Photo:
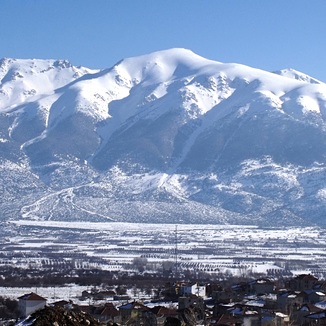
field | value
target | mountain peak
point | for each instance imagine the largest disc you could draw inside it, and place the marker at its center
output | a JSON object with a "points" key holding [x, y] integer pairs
{"points": [[162, 65], [24, 80], [173, 55], [297, 75]]}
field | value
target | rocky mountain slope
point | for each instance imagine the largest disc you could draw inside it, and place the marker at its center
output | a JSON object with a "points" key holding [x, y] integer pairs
{"points": [[165, 137]]}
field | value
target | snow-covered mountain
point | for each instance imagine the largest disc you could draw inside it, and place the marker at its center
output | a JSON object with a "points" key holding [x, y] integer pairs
{"points": [[165, 137]]}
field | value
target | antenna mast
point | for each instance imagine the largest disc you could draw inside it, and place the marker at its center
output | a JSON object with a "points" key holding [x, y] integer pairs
{"points": [[176, 251]]}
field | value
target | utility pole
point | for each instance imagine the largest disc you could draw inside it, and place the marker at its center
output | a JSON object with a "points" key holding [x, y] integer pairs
{"points": [[176, 252]]}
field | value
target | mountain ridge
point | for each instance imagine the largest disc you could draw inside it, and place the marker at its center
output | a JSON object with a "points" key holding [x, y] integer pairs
{"points": [[164, 137]]}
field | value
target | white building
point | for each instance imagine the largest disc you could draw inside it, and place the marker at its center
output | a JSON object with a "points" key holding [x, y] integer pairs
{"points": [[29, 303], [193, 288]]}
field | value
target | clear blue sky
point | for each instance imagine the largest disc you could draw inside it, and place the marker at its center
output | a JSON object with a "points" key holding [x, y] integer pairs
{"points": [[267, 34]]}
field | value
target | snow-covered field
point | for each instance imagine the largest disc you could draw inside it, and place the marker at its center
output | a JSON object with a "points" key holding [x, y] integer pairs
{"points": [[214, 249], [70, 292]]}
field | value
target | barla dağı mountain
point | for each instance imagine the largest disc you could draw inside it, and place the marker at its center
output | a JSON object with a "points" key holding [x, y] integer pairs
{"points": [[167, 137]]}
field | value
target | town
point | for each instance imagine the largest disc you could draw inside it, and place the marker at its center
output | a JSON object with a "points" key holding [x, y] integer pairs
{"points": [[144, 274], [299, 300]]}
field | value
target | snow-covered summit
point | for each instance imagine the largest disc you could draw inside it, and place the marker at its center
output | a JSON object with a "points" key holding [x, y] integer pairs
{"points": [[24, 80], [179, 63], [163, 65], [295, 74]]}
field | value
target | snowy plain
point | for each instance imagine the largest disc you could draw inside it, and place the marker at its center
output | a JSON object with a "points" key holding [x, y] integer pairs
{"points": [[214, 249]]}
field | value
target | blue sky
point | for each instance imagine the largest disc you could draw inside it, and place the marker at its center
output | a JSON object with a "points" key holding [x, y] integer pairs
{"points": [[267, 34]]}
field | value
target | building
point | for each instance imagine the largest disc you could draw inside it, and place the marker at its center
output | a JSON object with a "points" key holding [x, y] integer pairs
{"points": [[187, 289], [289, 301], [312, 296], [134, 311], [262, 286], [165, 315], [29, 303], [107, 313], [303, 282]]}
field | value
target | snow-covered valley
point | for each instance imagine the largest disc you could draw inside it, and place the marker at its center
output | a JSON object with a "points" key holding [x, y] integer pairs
{"points": [[215, 250]]}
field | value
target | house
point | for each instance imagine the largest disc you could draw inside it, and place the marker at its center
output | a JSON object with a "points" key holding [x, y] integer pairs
{"points": [[86, 295], [289, 301], [164, 314], [281, 319], [249, 317], [312, 296], [242, 288], [190, 301], [223, 309], [316, 318], [228, 320], [299, 316], [134, 311], [262, 286], [122, 297], [243, 314], [104, 295], [106, 313], [267, 319], [303, 282], [29, 303], [225, 296], [187, 289]]}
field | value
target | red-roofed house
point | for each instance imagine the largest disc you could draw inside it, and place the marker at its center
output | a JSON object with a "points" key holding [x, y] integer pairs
{"points": [[29, 303], [107, 313]]}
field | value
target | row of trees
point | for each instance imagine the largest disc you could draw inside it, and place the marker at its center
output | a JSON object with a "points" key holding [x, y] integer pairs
{"points": [[8, 309]]}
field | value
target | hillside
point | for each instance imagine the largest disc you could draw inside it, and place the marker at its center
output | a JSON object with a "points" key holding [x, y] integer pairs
{"points": [[166, 137]]}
